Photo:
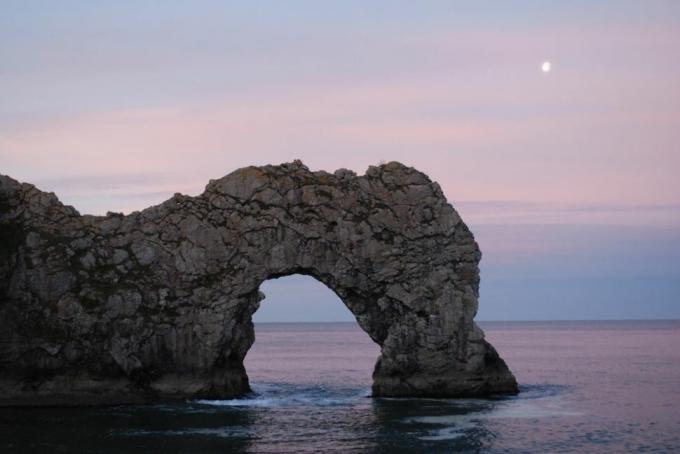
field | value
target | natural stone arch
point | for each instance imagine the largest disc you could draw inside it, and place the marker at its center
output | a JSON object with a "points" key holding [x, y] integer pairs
{"points": [[158, 304]]}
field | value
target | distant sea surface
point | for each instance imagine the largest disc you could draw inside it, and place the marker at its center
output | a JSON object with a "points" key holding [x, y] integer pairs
{"points": [[587, 387]]}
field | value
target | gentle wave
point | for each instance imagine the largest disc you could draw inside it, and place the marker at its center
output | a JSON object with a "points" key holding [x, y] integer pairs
{"points": [[221, 432], [458, 425], [278, 395]]}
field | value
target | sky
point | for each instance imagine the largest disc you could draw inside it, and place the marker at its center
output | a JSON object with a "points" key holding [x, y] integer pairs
{"points": [[569, 179]]}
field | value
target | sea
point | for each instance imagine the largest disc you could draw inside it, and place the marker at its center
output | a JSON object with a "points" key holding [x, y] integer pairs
{"points": [[586, 387]]}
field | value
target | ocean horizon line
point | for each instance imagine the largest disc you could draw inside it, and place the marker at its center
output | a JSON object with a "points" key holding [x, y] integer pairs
{"points": [[486, 321]]}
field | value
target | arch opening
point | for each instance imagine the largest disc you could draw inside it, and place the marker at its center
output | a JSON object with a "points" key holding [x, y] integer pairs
{"points": [[305, 335]]}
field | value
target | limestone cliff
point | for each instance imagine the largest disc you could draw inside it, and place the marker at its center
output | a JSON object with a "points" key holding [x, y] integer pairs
{"points": [[157, 304]]}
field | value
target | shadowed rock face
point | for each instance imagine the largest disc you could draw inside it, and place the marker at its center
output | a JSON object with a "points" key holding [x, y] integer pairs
{"points": [[157, 305]]}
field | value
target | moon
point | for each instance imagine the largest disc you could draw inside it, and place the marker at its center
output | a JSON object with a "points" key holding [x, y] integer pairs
{"points": [[545, 67]]}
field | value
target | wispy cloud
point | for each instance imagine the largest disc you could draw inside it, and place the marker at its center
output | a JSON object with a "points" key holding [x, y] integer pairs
{"points": [[535, 212]]}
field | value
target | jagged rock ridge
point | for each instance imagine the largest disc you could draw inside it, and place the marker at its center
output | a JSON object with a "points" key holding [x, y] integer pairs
{"points": [[157, 305]]}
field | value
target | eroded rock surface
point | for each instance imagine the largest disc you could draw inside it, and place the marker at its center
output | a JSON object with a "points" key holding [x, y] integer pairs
{"points": [[157, 304]]}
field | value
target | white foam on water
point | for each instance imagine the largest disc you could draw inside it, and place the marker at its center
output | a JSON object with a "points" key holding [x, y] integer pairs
{"points": [[278, 401], [237, 402], [273, 395]]}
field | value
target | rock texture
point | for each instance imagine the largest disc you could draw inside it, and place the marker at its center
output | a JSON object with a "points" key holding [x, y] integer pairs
{"points": [[157, 304]]}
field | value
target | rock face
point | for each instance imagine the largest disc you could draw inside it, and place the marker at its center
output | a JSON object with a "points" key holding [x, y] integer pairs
{"points": [[157, 305]]}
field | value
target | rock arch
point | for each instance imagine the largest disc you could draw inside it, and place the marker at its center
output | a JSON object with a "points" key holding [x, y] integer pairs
{"points": [[157, 304]]}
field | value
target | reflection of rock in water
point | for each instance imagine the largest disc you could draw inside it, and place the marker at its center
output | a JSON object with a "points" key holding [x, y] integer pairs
{"points": [[158, 304]]}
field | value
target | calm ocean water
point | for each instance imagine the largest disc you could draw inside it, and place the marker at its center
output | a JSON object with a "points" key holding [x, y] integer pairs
{"points": [[586, 387]]}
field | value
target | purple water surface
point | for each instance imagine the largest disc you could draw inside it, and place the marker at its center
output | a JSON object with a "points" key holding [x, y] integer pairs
{"points": [[586, 387]]}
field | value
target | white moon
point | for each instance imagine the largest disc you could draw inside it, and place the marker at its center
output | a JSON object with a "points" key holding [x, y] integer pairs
{"points": [[545, 67]]}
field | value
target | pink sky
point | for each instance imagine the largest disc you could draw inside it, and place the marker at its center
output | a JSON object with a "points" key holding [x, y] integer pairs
{"points": [[468, 105], [115, 108]]}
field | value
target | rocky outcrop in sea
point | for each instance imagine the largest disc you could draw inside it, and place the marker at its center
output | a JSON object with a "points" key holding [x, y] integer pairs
{"points": [[157, 305]]}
